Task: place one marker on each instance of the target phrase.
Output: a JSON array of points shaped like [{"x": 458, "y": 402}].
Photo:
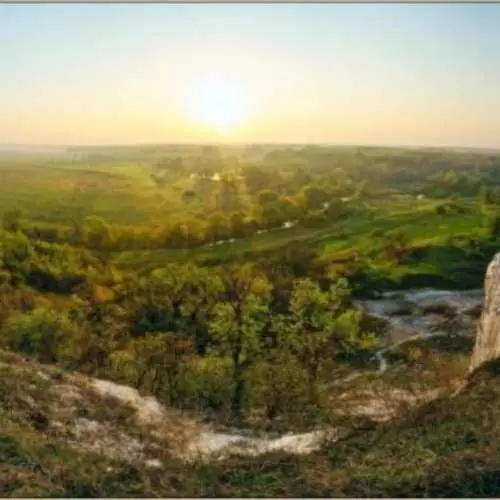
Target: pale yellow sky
[{"x": 366, "y": 74}]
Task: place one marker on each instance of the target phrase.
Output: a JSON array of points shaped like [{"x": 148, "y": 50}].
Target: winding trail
[
  {"x": 383, "y": 364},
  {"x": 382, "y": 360},
  {"x": 379, "y": 355}
]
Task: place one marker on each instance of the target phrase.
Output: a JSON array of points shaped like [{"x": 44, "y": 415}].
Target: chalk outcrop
[{"x": 487, "y": 346}]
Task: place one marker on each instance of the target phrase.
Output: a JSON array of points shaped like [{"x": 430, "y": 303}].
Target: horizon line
[{"x": 33, "y": 145}]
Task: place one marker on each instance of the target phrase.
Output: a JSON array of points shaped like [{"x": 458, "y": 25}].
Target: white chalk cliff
[{"x": 487, "y": 346}]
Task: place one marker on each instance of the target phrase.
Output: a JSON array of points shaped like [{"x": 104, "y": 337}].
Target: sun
[{"x": 219, "y": 101}]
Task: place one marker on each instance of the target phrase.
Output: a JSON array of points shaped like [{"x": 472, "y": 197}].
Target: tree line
[{"x": 195, "y": 337}]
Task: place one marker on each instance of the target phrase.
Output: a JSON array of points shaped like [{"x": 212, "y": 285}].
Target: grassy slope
[
  {"x": 121, "y": 193},
  {"x": 446, "y": 448}
]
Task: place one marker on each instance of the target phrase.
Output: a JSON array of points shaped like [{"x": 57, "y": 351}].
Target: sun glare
[{"x": 219, "y": 101}]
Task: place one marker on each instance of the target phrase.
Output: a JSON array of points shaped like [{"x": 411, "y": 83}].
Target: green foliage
[
  {"x": 238, "y": 321},
  {"x": 155, "y": 362},
  {"x": 207, "y": 384},
  {"x": 277, "y": 383},
  {"x": 315, "y": 197},
  {"x": 44, "y": 333},
  {"x": 395, "y": 247},
  {"x": 93, "y": 276},
  {"x": 267, "y": 196},
  {"x": 495, "y": 226},
  {"x": 318, "y": 325},
  {"x": 127, "y": 241}
]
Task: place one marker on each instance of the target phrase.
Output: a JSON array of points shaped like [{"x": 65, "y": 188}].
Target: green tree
[
  {"x": 483, "y": 198},
  {"x": 290, "y": 209},
  {"x": 315, "y": 197},
  {"x": 195, "y": 232},
  {"x": 154, "y": 362},
  {"x": 268, "y": 196},
  {"x": 102, "y": 329},
  {"x": 396, "y": 246},
  {"x": 193, "y": 293},
  {"x": 335, "y": 209},
  {"x": 256, "y": 178},
  {"x": 239, "y": 227},
  {"x": 319, "y": 325},
  {"x": 176, "y": 235},
  {"x": 237, "y": 323},
  {"x": 218, "y": 227},
  {"x": 272, "y": 216},
  {"x": 17, "y": 252}
]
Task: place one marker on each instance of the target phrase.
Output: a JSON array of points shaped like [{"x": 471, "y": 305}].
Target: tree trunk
[
  {"x": 275, "y": 400},
  {"x": 311, "y": 379},
  {"x": 274, "y": 407},
  {"x": 239, "y": 391}
]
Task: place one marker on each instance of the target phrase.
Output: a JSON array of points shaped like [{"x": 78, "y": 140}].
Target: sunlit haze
[
  {"x": 218, "y": 101},
  {"x": 367, "y": 74}
]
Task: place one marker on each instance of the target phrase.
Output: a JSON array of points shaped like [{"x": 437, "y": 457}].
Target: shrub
[
  {"x": 156, "y": 362},
  {"x": 41, "y": 332},
  {"x": 279, "y": 384},
  {"x": 207, "y": 384}
]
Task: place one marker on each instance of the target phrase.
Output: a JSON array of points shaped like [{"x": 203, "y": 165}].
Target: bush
[
  {"x": 207, "y": 384},
  {"x": 41, "y": 332},
  {"x": 156, "y": 363},
  {"x": 279, "y": 384}
]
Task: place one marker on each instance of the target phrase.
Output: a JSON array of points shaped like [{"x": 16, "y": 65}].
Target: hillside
[
  {"x": 186, "y": 322},
  {"x": 61, "y": 437},
  {"x": 67, "y": 434}
]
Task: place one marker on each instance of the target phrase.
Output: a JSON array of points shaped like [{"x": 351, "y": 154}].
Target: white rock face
[
  {"x": 149, "y": 410},
  {"x": 223, "y": 444},
  {"x": 103, "y": 439},
  {"x": 487, "y": 346},
  {"x": 205, "y": 443}
]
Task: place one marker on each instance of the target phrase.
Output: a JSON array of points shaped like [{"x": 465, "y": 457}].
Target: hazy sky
[{"x": 373, "y": 74}]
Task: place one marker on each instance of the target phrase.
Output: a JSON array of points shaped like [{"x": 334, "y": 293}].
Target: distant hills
[{"x": 8, "y": 149}]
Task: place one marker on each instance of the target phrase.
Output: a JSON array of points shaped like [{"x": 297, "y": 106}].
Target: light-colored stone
[
  {"x": 487, "y": 346},
  {"x": 149, "y": 410}
]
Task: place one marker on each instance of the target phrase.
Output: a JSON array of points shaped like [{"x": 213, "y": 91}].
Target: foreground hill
[
  {"x": 68, "y": 435},
  {"x": 64, "y": 435}
]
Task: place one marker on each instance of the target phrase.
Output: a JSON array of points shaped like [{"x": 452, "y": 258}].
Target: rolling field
[
  {"x": 417, "y": 220},
  {"x": 122, "y": 187},
  {"x": 120, "y": 193}
]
